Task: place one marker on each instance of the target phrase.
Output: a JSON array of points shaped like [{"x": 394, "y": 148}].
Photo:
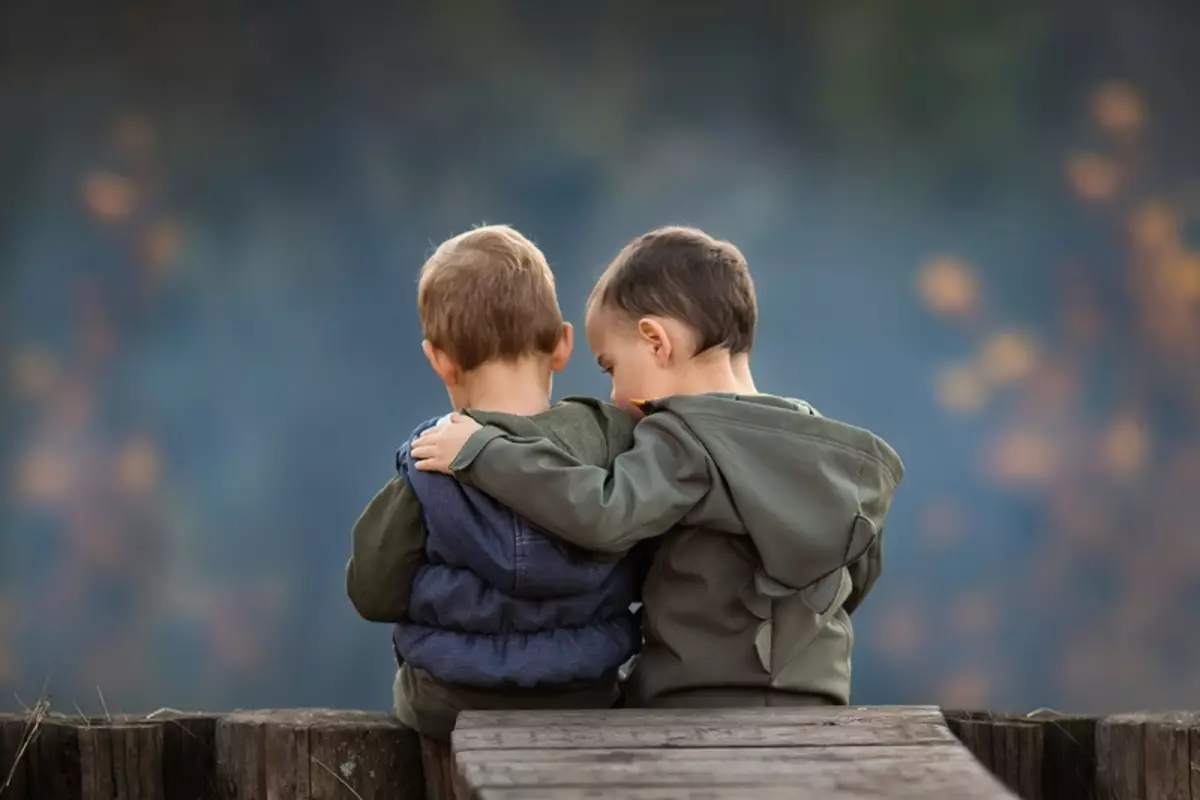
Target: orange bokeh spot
[
  {"x": 1009, "y": 356},
  {"x": 961, "y": 389},
  {"x": 948, "y": 287},
  {"x": 108, "y": 196},
  {"x": 1125, "y": 446},
  {"x": 1118, "y": 108},
  {"x": 1022, "y": 458},
  {"x": 1093, "y": 177}
]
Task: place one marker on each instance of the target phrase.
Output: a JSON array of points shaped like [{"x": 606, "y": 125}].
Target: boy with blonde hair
[
  {"x": 489, "y": 613},
  {"x": 770, "y": 514}
]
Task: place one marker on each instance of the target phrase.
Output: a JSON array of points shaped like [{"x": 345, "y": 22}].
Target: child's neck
[
  {"x": 518, "y": 387},
  {"x": 708, "y": 373},
  {"x": 741, "y": 369},
  {"x": 745, "y": 383}
]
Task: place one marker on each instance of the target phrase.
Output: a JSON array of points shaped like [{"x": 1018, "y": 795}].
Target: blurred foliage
[
  {"x": 937, "y": 89},
  {"x": 1112, "y": 482}
]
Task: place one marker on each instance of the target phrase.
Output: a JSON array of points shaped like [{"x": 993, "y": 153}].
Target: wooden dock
[
  {"x": 886, "y": 752},
  {"x": 764, "y": 753}
]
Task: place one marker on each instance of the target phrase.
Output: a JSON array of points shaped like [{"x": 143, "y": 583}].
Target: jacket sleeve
[
  {"x": 649, "y": 489},
  {"x": 618, "y": 427},
  {"x": 387, "y": 549}
]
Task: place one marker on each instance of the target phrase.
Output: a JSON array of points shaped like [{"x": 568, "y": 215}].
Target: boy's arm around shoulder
[
  {"x": 648, "y": 489},
  {"x": 387, "y": 549}
]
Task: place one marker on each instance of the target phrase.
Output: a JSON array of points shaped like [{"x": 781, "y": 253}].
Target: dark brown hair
[
  {"x": 488, "y": 294},
  {"x": 686, "y": 275}
]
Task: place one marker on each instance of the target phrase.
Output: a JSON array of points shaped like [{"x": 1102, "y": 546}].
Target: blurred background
[{"x": 972, "y": 226}]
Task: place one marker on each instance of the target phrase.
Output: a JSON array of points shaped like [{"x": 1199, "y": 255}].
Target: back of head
[
  {"x": 486, "y": 295},
  {"x": 686, "y": 275}
]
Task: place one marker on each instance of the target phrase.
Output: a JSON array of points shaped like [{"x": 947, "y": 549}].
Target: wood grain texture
[
  {"x": 1120, "y": 757},
  {"x": 887, "y": 777},
  {"x": 121, "y": 762},
  {"x": 52, "y": 771},
  {"x": 710, "y": 732},
  {"x": 1068, "y": 756},
  {"x": 1167, "y": 756},
  {"x": 815, "y": 715},
  {"x": 1062, "y": 767},
  {"x": 437, "y": 763},
  {"x": 719, "y": 753},
  {"x": 316, "y": 754},
  {"x": 13, "y": 731},
  {"x": 189, "y": 756},
  {"x": 1017, "y": 757},
  {"x": 730, "y": 792}
]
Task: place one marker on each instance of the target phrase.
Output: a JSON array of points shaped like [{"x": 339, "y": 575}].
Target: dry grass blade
[
  {"x": 155, "y": 713},
  {"x": 34, "y": 717},
  {"x": 83, "y": 719},
  {"x": 339, "y": 778},
  {"x": 104, "y": 705}
]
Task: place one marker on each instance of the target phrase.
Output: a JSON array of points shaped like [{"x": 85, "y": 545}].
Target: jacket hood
[{"x": 812, "y": 493}]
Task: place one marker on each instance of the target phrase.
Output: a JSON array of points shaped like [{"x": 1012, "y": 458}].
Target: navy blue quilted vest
[{"x": 500, "y": 604}]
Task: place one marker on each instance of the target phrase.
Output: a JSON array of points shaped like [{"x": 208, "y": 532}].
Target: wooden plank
[
  {"x": 53, "y": 770},
  {"x": 14, "y": 730},
  {"x": 121, "y": 762},
  {"x": 948, "y": 750},
  {"x": 1068, "y": 750},
  {"x": 935, "y": 772},
  {"x": 240, "y": 773},
  {"x": 1167, "y": 760},
  {"x": 698, "y": 771},
  {"x": 316, "y": 754},
  {"x": 976, "y": 736},
  {"x": 730, "y": 792},
  {"x": 437, "y": 764},
  {"x": 1120, "y": 757},
  {"x": 378, "y": 759},
  {"x": 1068, "y": 756},
  {"x": 814, "y": 715},
  {"x": 1194, "y": 743},
  {"x": 879, "y": 732},
  {"x": 189, "y": 755},
  {"x": 719, "y": 753},
  {"x": 711, "y": 755},
  {"x": 1017, "y": 757},
  {"x": 288, "y": 765}
]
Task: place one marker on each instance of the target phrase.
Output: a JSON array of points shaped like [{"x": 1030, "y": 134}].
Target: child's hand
[{"x": 435, "y": 449}]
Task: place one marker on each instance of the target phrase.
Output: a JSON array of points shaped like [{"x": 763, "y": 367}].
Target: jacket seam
[{"x": 806, "y": 436}]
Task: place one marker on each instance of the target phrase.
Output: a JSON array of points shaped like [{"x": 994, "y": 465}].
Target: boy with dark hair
[
  {"x": 771, "y": 515},
  {"x": 489, "y": 613}
]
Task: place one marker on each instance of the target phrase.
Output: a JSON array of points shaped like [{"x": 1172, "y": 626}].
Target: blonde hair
[{"x": 488, "y": 294}]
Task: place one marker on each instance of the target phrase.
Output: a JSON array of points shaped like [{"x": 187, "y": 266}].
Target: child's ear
[
  {"x": 441, "y": 363},
  {"x": 654, "y": 335},
  {"x": 562, "y": 350}
]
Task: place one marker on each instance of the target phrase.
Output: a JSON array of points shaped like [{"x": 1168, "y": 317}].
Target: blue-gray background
[{"x": 969, "y": 225}]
